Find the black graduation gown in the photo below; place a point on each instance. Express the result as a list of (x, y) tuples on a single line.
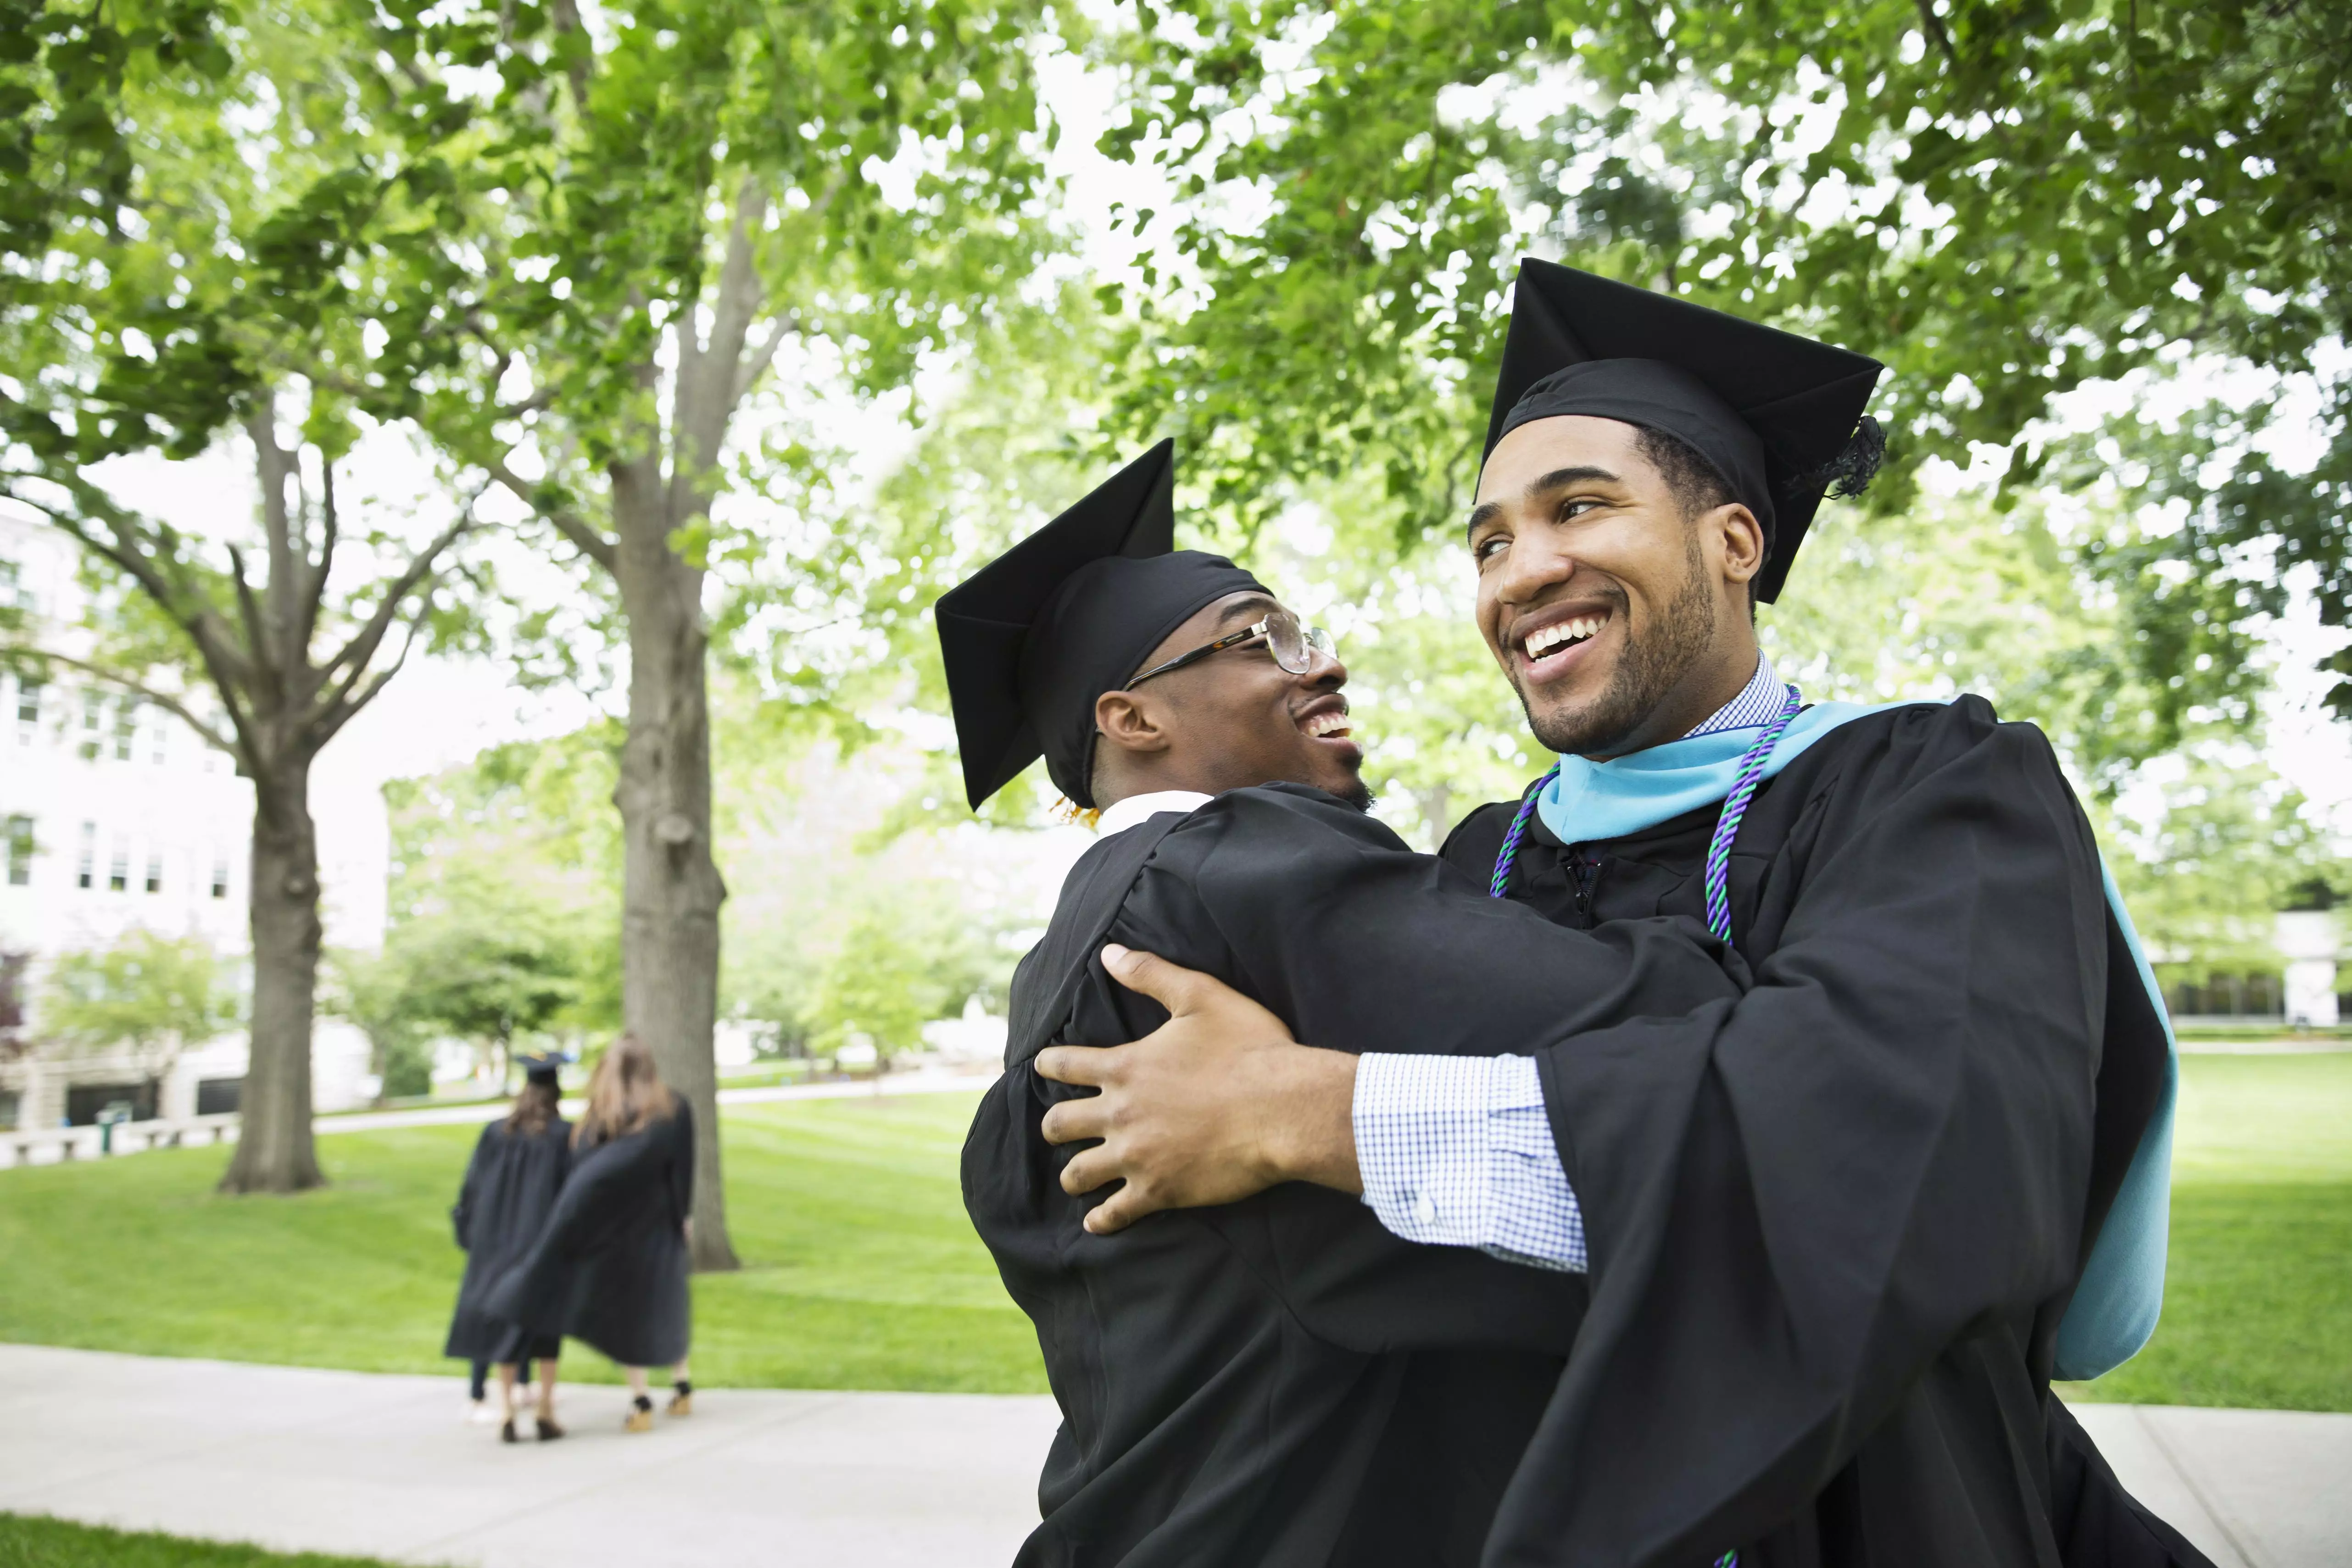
[(509, 1189), (610, 1266), (1280, 1381), (1833, 1225)]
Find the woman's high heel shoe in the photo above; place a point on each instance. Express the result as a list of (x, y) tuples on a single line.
[(682, 1402), (507, 1432), (641, 1414), (548, 1430)]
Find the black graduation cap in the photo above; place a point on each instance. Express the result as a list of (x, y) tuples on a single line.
[(1778, 415), (1033, 638), (544, 1068)]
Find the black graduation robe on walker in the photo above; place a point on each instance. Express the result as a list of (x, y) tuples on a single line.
[(1833, 1224), (1280, 1381), (610, 1266), (509, 1189)]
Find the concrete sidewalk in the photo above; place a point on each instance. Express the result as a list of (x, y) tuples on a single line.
[(2255, 1489), (384, 1467)]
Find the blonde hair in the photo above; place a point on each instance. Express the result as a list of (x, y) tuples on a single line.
[(625, 1093)]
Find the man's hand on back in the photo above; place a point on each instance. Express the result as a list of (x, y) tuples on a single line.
[(1215, 1105)]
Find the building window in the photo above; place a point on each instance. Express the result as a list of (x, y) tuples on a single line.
[(20, 851), (118, 868), (14, 594), (28, 710), (154, 871), (93, 725), (126, 728), (159, 733), (87, 875), (220, 876)]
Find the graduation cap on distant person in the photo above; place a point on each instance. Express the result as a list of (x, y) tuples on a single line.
[(1780, 416), (1072, 612), (543, 1069)]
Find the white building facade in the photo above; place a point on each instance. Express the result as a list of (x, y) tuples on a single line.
[(116, 816)]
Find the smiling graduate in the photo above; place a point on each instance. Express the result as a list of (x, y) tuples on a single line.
[(1279, 1381), (1841, 1232)]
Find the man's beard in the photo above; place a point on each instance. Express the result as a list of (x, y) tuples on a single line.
[(1357, 794), (1649, 669)]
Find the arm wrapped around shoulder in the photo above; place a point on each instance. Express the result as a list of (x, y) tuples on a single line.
[(1360, 944)]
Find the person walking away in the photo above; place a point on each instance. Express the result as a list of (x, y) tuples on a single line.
[(610, 1266), (518, 1166)]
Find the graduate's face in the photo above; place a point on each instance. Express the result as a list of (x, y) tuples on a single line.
[(1233, 719), (1608, 607)]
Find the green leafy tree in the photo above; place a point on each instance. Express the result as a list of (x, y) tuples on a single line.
[(153, 241), (879, 984), (490, 973), (371, 990), (622, 226), (2002, 203), (2226, 848), (149, 995)]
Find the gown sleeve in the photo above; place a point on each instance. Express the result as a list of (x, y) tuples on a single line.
[(1327, 918), (681, 1161), (461, 1216), (1796, 1200)]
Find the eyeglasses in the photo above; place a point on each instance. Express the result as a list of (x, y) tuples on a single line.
[(1294, 646)]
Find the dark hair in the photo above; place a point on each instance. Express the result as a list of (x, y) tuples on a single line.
[(534, 1108), (1697, 485)]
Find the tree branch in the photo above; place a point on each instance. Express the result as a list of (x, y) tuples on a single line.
[(140, 688), (329, 528), (1935, 26), (279, 592), (180, 604), (540, 399), (332, 718), (255, 630), (748, 377), (583, 534), (567, 20), (361, 648), (707, 381)]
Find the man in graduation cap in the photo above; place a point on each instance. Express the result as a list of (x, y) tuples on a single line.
[(1277, 1381), (1840, 1233)]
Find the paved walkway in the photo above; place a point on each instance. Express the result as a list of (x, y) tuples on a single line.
[(385, 1467), (2256, 1488)]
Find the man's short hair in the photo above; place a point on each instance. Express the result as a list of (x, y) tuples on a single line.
[(1697, 485)]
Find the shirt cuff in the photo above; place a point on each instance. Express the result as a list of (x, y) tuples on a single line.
[(1457, 1151)]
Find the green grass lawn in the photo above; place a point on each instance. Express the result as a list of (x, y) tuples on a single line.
[(861, 1271), (28, 1541), (2258, 1296)]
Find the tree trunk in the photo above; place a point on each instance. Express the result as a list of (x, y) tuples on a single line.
[(671, 889), (274, 1148)]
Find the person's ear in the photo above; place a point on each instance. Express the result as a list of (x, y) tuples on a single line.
[(1132, 722), (1743, 540)]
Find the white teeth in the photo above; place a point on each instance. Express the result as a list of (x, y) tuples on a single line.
[(1542, 641), (1324, 724)]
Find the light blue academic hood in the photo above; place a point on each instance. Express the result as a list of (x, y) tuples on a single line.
[(2121, 1292)]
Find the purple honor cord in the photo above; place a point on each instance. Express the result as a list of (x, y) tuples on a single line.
[(1718, 853), (1735, 806)]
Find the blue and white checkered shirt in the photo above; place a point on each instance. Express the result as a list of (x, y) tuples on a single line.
[(1457, 1151)]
